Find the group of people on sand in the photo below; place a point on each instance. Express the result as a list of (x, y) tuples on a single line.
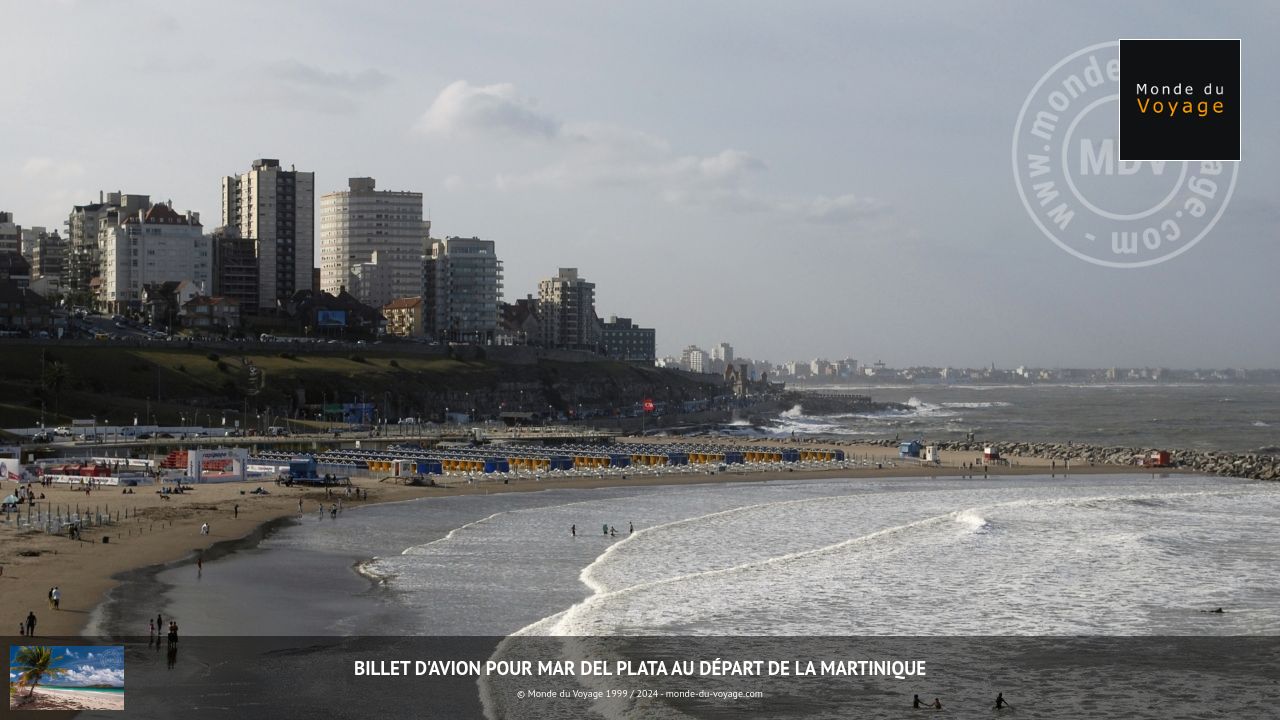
[(918, 704), (158, 627)]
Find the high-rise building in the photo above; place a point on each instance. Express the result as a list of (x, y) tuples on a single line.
[(694, 359), (462, 283), (276, 209), (567, 304), (85, 227), (10, 233), (152, 247), (622, 339), (235, 268), (362, 227), (45, 250), (722, 352)]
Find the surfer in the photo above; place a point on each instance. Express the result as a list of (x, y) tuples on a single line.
[(1215, 611)]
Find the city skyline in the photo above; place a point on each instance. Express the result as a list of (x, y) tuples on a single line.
[(807, 168)]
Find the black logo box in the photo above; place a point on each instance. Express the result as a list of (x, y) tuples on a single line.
[(1184, 64)]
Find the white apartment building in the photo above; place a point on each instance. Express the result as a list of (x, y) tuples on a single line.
[(567, 304), (361, 226), (85, 226), (276, 209), (154, 246), (722, 352)]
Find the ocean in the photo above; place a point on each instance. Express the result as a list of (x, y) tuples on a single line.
[(959, 563), (1024, 555), (1227, 417)]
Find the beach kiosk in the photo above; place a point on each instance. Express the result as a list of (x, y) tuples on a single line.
[(990, 454), (909, 449), (931, 454), (1159, 458)]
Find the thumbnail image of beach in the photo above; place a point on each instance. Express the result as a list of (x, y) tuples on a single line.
[(66, 677)]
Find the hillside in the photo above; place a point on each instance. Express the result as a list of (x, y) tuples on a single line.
[(118, 383)]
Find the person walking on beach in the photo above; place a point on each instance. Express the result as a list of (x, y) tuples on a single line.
[(56, 594), (299, 506), (236, 511), (31, 624), (204, 529), (151, 630), (50, 598)]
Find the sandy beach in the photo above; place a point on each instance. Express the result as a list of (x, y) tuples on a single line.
[(60, 699), (159, 531)]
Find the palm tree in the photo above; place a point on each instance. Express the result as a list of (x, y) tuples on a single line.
[(32, 663)]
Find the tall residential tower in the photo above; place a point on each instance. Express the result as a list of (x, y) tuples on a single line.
[(276, 209)]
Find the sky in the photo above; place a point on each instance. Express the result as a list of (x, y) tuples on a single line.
[(818, 179), (84, 665)]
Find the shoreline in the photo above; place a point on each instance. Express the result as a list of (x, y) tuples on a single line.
[(96, 569)]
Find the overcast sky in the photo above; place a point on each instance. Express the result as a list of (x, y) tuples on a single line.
[(799, 179)]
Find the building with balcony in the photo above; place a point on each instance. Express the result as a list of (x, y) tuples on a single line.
[(462, 284), (275, 209), (371, 242)]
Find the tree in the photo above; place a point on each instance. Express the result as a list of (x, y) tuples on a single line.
[(32, 663), (54, 378)]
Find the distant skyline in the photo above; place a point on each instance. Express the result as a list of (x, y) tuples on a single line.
[(827, 180)]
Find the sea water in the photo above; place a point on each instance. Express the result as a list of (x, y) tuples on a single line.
[(1029, 555)]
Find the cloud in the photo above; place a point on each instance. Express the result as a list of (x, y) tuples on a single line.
[(46, 168), (300, 87), (91, 675), (463, 108), (592, 155), (299, 73)]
